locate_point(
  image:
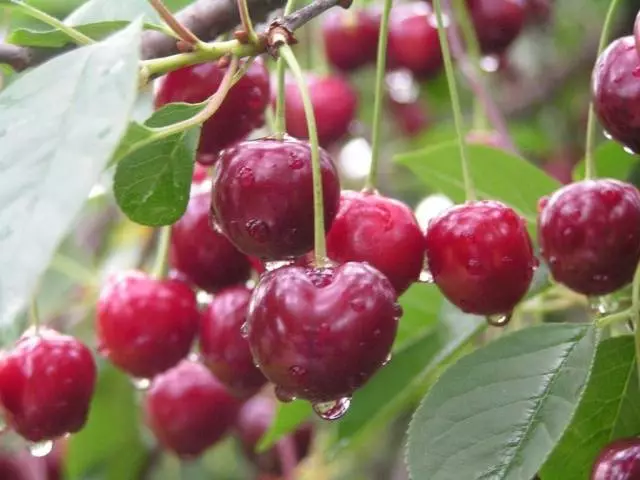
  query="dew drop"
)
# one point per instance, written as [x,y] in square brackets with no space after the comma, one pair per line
[333,410]
[284,395]
[629,150]
[245,177]
[141,383]
[214,225]
[397,310]
[258,230]
[490,63]
[270,266]
[607,135]
[193,357]
[295,162]
[41,449]
[426,276]
[297,371]
[358,305]
[386,360]
[500,320]
[244,330]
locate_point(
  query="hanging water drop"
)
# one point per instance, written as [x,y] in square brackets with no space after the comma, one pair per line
[283,395]
[629,150]
[426,276]
[386,360]
[41,449]
[333,410]
[490,63]
[500,320]
[270,266]
[607,135]
[604,305]
[141,383]
[244,330]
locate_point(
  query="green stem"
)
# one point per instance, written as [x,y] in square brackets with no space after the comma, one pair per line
[318,205]
[381,60]
[245,20]
[455,101]
[615,318]
[590,164]
[75,35]
[160,266]
[174,24]
[635,313]
[34,315]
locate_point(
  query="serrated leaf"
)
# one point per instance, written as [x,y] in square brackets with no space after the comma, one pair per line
[55,139]
[288,417]
[611,162]
[498,412]
[609,410]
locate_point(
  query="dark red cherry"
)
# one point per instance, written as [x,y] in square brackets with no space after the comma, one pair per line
[615,88]
[380,231]
[144,325]
[46,384]
[254,419]
[321,333]
[497,22]
[620,460]
[262,197]
[224,350]
[350,37]
[334,105]
[481,257]
[410,117]
[241,112]
[538,11]
[188,409]
[413,39]
[205,257]
[589,235]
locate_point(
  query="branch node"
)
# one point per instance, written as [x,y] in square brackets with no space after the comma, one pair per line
[277,35]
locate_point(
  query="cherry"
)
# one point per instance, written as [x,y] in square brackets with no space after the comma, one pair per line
[254,419]
[188,409]
[46,384]
[351,37]
[481,257]
[410,117]
[380,231]
[224,350]
[241,111]
[321,333]
[205,257]
[334,104]
[144,325]
[262,197]
[620,460]
[413,39]
[589,235]
[200,173]
[497,22]
[615,86]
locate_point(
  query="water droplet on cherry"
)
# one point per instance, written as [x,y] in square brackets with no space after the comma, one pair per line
[500,320]
[258,230]
[140,383]
[284,395]
[244,330]
[333,410]
[41,449]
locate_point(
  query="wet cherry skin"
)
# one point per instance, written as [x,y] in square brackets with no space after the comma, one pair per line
[350,37]
[497,22]
[589,235]
[144,325]
[47,381]
[262,196]
[481,257]
[620,460]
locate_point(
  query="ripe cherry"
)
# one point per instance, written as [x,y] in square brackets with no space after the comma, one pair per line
[46,384]
[188,409]
[615,86]
[481,257]
[413,39]
[321,333]
[620,460]
[350,37]
[410,117]
[334,105]
[380,231]
[262,197]
[589,235]
[241,112]
[224,350]
[254,419]
[205,257]
[144,325]
[497,22]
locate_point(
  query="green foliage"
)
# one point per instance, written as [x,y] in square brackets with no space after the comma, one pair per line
[611,162]
[288,417]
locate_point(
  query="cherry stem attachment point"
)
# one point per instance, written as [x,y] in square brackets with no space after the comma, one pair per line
[34,315]
[161,264]
[245,20]
[174,24]
[279,123]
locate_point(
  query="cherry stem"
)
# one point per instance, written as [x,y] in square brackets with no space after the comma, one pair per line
[287,453]
[318,205]
[34,315]
[161,264]
[614,318]
[607,27]
[279,123]
[174,24]
[370,184]
[455,101]
[245,20]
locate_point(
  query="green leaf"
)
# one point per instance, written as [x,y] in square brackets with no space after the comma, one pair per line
[56,138]
[288,417]
[611,162]
[496,175]
[421,306]
[498,412]
[609,410]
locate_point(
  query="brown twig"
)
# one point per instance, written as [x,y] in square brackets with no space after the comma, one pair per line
[173,23]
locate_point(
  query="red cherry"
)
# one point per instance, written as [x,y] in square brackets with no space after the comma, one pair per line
[413,39]
[411,117]
[350,37]
[481,257]
[615,88]
[205,257]
[589,235]
[200,173]
[188,409]
[497,22]
[145,326]
[241,111]
[620,460]
[380,231]
[334,105]
[254,419]
[321,333]
[224,350]
[46,385]
[262,197]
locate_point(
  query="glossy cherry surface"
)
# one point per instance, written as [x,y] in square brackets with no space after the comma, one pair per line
[205,257]
[144,325]
[262,197]
[241,112]
[589,235]
[620,460]
[497,22]
[481,257]
[224,349]
[380,231]
[46,385]
[350,37]
[615,89]
[188,409]
[321,333]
